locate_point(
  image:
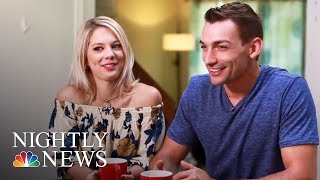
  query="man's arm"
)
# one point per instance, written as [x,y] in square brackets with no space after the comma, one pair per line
[300,163]
[169,156]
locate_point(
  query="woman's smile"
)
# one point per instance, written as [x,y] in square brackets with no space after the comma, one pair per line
[110,66]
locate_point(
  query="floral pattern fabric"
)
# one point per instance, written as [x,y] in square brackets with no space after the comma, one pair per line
[133,133]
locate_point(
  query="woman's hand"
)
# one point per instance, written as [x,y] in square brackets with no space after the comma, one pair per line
[127,177]
[93,175]
[134,172]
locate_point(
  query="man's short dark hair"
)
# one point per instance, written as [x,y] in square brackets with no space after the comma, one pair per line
[247,21]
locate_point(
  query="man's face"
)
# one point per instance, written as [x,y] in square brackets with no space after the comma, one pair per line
[223,53]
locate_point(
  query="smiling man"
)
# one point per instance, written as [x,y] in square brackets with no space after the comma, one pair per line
[253,121]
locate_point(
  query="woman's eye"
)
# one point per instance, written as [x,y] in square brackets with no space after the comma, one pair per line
[98,49]
[116,46]
[202,46]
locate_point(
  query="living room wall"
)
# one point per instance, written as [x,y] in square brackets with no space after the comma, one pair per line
[145,22]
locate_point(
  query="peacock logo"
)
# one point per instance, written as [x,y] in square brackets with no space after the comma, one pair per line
[26,160]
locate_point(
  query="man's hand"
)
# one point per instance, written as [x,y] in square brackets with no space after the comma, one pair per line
[191,172]
[158,165]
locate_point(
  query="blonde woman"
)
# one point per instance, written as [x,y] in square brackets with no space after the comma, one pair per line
[104,97]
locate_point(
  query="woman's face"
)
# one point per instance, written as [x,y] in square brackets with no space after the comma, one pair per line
[105,55]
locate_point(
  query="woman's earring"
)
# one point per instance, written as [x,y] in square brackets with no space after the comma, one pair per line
[86,67]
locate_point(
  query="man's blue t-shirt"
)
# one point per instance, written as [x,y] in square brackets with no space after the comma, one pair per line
[244,141]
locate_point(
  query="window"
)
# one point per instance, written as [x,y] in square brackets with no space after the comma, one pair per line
[284,32]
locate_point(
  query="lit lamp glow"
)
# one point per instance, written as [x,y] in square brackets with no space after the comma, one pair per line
[178,42]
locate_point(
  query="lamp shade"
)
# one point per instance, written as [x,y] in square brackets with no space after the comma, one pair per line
[178,42]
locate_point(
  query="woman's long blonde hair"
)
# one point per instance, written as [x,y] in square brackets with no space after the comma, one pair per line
[81,78]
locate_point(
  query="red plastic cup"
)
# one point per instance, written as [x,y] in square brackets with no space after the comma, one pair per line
[156,175]
[114,169]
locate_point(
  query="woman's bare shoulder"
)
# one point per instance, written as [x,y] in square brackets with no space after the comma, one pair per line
[70,93]
[146,95]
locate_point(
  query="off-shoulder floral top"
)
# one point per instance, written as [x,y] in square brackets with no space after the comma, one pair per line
[132,133]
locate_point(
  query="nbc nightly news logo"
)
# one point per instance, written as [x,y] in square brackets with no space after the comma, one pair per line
[28,159]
